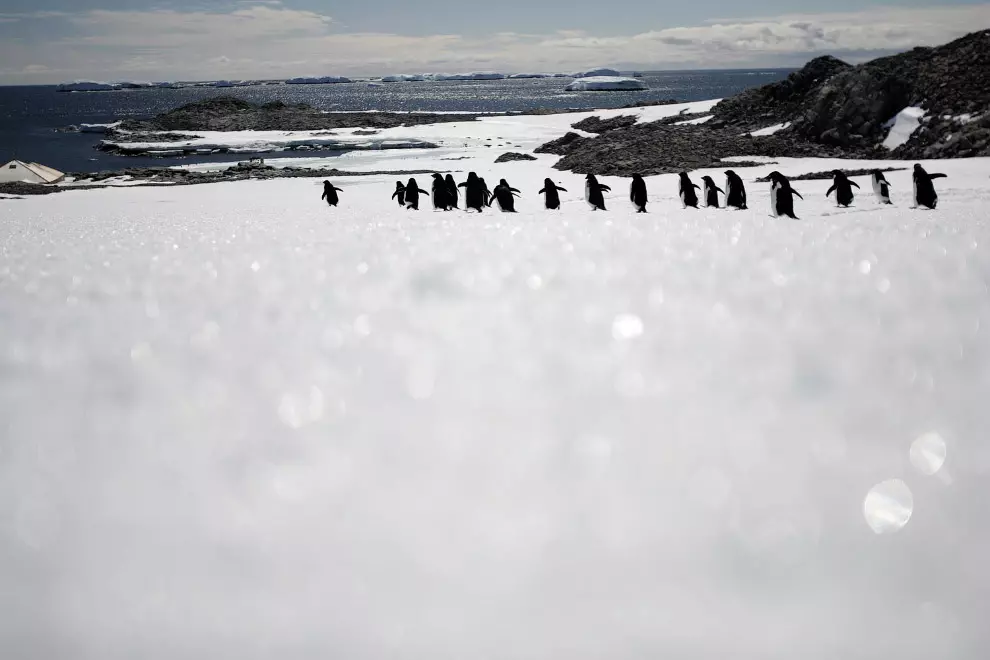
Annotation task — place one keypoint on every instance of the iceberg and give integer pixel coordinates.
(516, 76)
(130, 84)
(85, 86)
(404, 78)
(98, 128)
(606, 84)
(323, 80)
(596, 73)
(476, 75)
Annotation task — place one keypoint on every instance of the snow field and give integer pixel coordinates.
(238, 423)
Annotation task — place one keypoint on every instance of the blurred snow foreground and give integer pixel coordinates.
(235, 423)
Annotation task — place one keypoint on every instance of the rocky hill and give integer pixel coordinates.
(831, 108)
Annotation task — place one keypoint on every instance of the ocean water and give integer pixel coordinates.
(29, 116)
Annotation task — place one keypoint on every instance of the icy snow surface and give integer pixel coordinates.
(903, 126)
(695, 121)
(606, 84)
(770, 130)
(236, 423)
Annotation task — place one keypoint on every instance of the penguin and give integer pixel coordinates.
(782, 196)
(924, 191)
(881, 187)
(504, 195)
(842, 187)
(330, 193)
(688, 196)
(452, 193)
(735, 190)
(637, 193)
(400, 192)
(550, 190)
(487, 192)
(711, 191)
(593, 193)
(474, 192)
(413, 191)
(440, 193)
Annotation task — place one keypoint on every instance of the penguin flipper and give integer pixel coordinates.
(562, 189)
(604, 187)
(513, 190)
(853, 183)
(938, 176)
(542, 190)
(829, 192)
(720, 190)
(796, 193)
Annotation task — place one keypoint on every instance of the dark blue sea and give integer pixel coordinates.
(29, 116)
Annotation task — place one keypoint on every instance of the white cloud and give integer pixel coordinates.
(268, 39)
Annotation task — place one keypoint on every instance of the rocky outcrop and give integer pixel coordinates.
(562, 145)
(833, 103)
(226, 113)
(597, 125)
(513, 156)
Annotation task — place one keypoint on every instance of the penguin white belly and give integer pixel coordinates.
(705, 190)
(683, 203)
(728, 190)
(587, 194)
(876, 188)
(914, 193)
(773, 200)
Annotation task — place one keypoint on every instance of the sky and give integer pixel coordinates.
(51, 41)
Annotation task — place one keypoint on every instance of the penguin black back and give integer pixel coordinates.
(686, 191)
(924, 189)
(413, 191)
(710, 191)
(735, 190)
(400, 193)
(550, 189)
(593, 193)
(330, 193)
(881, 187)
(782, 196)
(504, 195)
(474, 193)
(452, 195)
(440, 193)
(842, 187)
(637, 193)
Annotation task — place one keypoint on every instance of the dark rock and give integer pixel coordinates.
(597, 125)
(512, 156)
(562, 145)
(23, 188)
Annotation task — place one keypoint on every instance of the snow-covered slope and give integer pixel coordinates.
(235, 422)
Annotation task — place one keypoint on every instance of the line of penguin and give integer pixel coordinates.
(445, 192)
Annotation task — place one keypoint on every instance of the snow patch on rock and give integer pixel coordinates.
(902, 126)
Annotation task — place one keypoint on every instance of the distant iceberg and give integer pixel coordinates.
(322, 80)
(86, 86)
(606, 84)
(516, 76)
(476, 75)
(130, 84)
(597, 73)
(221, 83)
(404, 77)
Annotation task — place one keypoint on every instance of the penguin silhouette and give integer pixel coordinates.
(440, 202)
(550, 190)
(735, 190)
(504, 195)
(330, 193)
(593, 193)
(842, 187)
(686, 190)
(881, 187)
(782, 196)
(924, 189)
(452, 194)
(400, 192)
(637, 193)
(413, 191)
(474, 193)
(487, 192)
(710, 192)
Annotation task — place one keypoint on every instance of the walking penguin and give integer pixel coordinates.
(550, 190)
(400, 192)
(474, 193)
(637, 193)
(593, 193)
(452, 193)
(686, 189)
(413, 191)
(711, 191)
(924, 190)
(504, 195)
(782, 196)
(440, 193)
(842, 187)
(330, 193)
(881, 187)
(735, 190)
